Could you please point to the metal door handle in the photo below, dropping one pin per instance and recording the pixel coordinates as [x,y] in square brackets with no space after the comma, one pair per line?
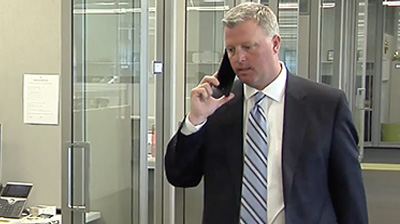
[360,98]
[84,182]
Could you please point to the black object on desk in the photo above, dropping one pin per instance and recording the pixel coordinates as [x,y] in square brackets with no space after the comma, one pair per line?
[13,199]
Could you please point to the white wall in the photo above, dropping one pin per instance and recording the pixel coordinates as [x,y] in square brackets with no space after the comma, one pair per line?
[30,37]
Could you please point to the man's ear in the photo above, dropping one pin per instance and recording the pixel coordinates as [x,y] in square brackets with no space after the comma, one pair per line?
[276,43]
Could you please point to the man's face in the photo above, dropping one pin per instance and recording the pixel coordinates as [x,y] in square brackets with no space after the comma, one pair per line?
[253,55]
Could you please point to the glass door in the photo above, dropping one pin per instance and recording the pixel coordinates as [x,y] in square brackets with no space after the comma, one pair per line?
[382,126]
[109,104]
[389,121]
[329,32]
[342,47]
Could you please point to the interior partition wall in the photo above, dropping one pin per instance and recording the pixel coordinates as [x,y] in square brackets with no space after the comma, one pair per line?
[372,90]
[384,61]
[341,62]
[376,57]
[112,111]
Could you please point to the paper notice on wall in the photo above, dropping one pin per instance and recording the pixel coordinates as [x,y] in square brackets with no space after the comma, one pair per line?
[41,99]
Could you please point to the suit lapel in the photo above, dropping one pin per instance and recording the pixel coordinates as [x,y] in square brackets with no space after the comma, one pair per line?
[294,124]
[235,144]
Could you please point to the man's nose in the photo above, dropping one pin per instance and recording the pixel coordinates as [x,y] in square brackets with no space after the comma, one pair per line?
[241,55]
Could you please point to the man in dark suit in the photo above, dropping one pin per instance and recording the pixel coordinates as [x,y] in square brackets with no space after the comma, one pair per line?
[314,176]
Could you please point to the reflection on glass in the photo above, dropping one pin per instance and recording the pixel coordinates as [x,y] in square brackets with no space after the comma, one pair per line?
[327,42]
[107,58]
[205,43]
[288,22]
[390,82]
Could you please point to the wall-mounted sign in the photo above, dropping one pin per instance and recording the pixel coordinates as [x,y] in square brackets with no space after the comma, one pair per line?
[157,67]
[41,99]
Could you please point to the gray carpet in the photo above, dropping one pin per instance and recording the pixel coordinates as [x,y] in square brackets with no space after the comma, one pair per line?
[383,196]
[382,187]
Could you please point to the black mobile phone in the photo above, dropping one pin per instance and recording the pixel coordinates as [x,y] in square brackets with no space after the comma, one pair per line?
[225,76]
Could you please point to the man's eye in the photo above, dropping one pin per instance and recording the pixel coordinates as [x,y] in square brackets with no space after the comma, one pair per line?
[249,47]
[230,50]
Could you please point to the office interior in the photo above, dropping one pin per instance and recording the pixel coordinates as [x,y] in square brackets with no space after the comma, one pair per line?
[125,71]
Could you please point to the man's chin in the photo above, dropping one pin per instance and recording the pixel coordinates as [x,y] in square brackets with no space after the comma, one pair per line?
[244,75]
[247,79]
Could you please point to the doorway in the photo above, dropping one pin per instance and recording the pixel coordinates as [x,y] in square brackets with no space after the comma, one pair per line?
[110,89]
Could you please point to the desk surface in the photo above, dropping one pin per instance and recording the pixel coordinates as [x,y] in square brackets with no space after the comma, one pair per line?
[90,216]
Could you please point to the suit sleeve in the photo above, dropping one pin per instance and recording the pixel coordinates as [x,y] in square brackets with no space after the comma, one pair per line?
[184,159]
[345,177]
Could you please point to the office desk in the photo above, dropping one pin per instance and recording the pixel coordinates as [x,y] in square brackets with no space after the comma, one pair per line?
[90,216]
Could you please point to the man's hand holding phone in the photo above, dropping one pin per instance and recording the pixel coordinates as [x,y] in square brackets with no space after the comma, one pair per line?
[212,92]
[202,103]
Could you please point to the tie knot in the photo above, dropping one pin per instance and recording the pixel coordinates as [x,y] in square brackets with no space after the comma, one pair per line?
[258,97]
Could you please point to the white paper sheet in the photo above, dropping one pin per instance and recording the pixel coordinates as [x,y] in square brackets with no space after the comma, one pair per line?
[41,99]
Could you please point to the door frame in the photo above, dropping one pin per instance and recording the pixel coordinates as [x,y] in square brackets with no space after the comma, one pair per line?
[66,96]
[163,209]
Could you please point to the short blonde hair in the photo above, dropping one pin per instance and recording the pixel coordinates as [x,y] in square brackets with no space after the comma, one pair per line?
[246,11]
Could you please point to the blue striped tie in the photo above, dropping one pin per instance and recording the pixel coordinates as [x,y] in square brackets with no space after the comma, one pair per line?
[254,187]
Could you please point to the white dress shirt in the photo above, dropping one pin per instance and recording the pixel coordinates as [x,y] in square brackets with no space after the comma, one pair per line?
[274,107]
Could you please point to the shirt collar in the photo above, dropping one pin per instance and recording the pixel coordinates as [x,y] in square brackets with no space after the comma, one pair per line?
[275,90]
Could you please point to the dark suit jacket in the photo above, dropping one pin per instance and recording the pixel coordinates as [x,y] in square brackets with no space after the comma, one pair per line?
[322,182]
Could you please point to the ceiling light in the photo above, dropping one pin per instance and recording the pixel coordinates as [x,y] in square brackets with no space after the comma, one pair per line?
[328,5]
[203,8]
[288,5]
[391,3]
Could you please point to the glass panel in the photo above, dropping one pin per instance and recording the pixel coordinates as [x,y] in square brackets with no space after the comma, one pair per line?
[132,29]
[106,102]
[327,42]
[390,91]
[152,88]
[360,105]
[204,50]
[288,22]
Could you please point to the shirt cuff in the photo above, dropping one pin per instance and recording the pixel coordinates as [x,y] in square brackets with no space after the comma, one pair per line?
[188,128]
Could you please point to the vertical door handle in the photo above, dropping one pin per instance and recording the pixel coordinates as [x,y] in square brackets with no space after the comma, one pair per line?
[360,98]
[82,182]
